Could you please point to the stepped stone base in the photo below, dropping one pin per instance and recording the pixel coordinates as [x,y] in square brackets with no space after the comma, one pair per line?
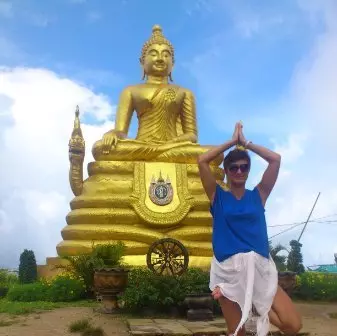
[49,270]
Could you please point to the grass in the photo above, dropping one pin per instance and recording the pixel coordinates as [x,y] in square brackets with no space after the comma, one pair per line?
[21,308]
[333,315]
[85,328]
[79,326]
[93,332]
[6,323]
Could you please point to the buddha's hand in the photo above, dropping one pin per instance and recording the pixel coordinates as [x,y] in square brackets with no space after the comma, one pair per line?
[109,141]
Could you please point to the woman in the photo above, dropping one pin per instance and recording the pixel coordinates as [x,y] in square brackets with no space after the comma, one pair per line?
[242,272]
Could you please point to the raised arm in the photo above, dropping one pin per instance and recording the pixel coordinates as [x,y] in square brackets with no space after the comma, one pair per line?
[207,178]
[270,175]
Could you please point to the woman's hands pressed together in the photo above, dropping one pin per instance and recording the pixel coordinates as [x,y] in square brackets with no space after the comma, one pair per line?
[242,139]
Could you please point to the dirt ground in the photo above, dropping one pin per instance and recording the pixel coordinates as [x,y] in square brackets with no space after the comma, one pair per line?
[316,320]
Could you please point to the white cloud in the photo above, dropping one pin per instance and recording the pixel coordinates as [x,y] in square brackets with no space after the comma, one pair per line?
[36,123]
[292,150]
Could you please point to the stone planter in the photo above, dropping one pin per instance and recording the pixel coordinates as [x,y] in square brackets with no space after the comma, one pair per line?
[287,281]
[109,283]
[200,307]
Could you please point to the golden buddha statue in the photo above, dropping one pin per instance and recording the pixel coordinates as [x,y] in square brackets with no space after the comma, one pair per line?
[143,189]
[167,129]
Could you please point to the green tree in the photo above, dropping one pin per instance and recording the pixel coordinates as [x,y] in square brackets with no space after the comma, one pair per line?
[280,260]
[295,258]
[27,267]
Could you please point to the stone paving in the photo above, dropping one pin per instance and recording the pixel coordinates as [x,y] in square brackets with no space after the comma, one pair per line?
[170,327]
[175,327]
[316,320]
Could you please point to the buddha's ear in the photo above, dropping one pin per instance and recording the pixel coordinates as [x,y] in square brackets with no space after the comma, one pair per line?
[142,66]
[170,74]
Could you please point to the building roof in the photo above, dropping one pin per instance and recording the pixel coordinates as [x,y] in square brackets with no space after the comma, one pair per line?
[324,268]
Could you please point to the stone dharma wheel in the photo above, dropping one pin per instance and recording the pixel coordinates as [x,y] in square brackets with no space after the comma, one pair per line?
[167,256]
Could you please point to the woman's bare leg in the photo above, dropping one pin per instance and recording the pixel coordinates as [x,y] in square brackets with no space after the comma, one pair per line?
[284,315]
[274,319]
[231,312]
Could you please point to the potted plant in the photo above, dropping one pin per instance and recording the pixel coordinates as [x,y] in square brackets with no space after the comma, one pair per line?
[287,281]
[110,278]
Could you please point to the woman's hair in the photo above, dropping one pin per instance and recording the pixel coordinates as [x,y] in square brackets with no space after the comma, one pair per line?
[236,155]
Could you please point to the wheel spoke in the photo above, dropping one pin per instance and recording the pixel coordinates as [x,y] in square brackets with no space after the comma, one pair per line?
[162,268]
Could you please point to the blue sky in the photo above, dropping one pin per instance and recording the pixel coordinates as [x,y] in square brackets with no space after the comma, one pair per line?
[268,63]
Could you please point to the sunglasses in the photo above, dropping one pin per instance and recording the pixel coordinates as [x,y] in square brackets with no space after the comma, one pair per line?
[234,168]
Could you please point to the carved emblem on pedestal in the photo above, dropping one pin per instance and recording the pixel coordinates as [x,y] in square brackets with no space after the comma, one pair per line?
[161,191]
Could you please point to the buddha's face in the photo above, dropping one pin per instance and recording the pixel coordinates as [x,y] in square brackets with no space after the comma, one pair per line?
[158,60]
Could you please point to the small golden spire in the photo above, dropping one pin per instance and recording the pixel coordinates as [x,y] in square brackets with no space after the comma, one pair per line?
[157,37]
[76,142]
[77,124]
[160,179]
[77,111]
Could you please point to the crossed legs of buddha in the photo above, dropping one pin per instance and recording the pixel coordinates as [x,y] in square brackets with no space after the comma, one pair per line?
[183,152]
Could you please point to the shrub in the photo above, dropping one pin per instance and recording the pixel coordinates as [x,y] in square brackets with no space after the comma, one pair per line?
[162,292]
[65,289]
[7,278]
[295,258]
[27,267]
[316,286]
[28,292]
[61,289]
[3,291]
[81,267]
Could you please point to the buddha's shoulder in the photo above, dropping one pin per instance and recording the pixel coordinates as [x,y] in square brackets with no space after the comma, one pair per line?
[143,86]
[180,88]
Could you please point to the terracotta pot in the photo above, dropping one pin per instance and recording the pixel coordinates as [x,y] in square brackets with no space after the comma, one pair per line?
[287,281]
[109,283]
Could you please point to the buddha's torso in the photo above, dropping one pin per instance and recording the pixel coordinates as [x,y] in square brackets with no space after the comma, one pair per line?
[158,108]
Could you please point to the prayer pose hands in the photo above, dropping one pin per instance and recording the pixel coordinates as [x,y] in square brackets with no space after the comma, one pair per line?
[238,138]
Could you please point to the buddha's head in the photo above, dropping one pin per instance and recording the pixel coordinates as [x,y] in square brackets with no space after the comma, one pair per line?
[157,57]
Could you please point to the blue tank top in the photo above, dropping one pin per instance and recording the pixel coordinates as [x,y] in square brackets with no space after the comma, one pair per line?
[238,225]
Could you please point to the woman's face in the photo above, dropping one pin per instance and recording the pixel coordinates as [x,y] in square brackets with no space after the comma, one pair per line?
[238,171]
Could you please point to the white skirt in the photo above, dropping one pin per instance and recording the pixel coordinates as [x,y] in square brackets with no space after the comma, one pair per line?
[247,279]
